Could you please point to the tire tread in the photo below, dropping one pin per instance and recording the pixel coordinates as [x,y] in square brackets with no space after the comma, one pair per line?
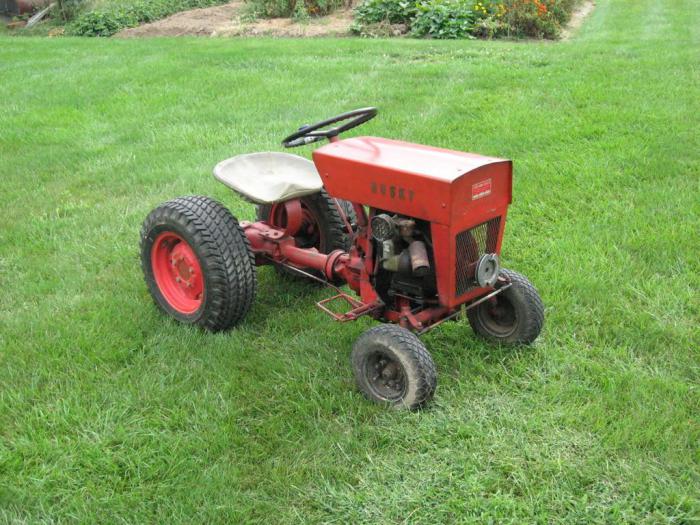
[534,321]
[224,251]
[412,347]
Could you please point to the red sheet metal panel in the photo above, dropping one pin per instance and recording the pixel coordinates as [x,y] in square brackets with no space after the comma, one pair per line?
[434,184]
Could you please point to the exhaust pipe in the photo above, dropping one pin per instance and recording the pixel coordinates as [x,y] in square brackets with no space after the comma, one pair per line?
[420,264]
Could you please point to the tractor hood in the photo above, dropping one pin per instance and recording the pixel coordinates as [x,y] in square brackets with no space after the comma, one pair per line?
[434,184]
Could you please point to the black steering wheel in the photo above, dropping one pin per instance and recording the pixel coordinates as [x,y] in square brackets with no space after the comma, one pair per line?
[314,132]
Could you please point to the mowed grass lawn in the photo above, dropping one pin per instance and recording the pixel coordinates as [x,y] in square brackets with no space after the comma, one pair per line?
[111,413]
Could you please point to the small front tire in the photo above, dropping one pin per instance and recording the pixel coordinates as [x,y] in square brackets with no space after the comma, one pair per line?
[392,366]
[515,316]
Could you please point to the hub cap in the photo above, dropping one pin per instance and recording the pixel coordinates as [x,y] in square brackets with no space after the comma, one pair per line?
[498,316]
[385,376]
[177,272]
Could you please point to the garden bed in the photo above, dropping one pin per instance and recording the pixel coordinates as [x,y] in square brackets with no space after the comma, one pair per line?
[435,19]
[451,19]
[231,20]
[228,20]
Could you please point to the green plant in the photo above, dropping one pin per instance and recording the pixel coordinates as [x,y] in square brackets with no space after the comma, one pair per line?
[444,19]
[67,10]
[323,7]
[537,18]
[298,9]
[490,27]
[464,18]
[100,23]
[387,11]
[379,30]
[271,8]
[300,13]
[115,17]
[561,9]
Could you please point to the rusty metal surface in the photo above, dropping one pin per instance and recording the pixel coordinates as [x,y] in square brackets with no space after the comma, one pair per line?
[420,264]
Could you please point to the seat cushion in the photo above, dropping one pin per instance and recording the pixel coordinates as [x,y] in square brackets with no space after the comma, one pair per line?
[269,177]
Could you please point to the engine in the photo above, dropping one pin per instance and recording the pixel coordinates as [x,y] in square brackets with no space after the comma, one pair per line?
[406,263]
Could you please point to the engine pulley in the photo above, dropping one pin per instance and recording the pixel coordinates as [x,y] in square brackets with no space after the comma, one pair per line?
[487,269]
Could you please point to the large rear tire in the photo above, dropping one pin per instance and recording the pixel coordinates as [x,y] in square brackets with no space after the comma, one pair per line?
[197,263]
[515,316]
[392,366]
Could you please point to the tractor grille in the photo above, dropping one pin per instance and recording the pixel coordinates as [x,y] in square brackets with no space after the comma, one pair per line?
[471,245]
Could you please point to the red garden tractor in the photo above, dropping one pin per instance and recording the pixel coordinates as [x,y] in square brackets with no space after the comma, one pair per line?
[414,231]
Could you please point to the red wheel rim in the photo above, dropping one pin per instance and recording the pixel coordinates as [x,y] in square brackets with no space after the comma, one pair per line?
[177,272]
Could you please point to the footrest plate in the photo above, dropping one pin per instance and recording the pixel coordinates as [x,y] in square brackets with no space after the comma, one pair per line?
[358,308]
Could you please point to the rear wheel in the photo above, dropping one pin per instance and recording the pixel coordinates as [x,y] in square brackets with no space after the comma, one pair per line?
[392,366]
[515,316]
[323,227]
[197,262]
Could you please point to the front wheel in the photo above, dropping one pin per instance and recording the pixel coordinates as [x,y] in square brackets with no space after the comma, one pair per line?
[515,316]
[197,263]
[392,366]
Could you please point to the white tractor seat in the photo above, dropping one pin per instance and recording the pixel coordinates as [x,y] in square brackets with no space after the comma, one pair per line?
[269,177]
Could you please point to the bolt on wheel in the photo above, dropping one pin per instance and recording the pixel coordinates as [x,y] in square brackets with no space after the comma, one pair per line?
[387,379]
